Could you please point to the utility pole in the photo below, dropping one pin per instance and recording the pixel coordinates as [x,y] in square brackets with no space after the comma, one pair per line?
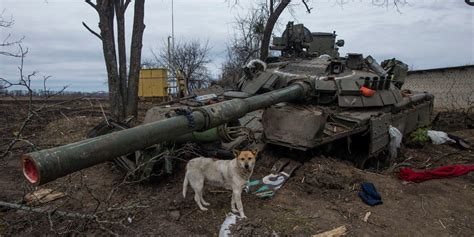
[171,82]
[172,50]
[172,22]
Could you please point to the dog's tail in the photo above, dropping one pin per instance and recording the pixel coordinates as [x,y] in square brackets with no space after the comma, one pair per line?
[185,185]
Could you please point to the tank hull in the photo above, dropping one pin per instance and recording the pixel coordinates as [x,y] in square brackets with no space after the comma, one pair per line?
[307,127]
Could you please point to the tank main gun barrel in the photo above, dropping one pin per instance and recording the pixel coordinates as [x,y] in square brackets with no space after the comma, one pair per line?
[47,165]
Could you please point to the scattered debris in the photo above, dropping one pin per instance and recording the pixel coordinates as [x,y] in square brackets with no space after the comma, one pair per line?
[48,211]
[463,144]
[366,217]
[206,98]
[408,174]
[438,137]
[41,196]
[439,220]
[339,231]
[395,141]
[268,185]
[230,220]
[422,135]
[370,195]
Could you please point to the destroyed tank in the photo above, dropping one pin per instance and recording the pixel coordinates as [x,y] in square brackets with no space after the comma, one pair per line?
[311,98]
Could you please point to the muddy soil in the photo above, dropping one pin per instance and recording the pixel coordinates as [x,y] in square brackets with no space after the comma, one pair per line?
[321,194]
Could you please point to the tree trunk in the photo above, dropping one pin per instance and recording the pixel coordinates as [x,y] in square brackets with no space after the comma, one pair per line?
[267,33]
[106,25]
[122,54]
[272,2]
[135,57]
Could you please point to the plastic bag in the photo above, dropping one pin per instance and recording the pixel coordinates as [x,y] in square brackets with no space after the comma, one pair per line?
[395,140]
[228,222]
[438,137]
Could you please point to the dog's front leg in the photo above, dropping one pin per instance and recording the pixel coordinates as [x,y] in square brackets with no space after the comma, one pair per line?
[237,198]
[233,206]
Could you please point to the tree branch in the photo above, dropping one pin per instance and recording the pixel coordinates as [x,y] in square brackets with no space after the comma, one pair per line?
[126,5]
[308,9]
[48,212]
[92,5]
[269,28]
[92,31]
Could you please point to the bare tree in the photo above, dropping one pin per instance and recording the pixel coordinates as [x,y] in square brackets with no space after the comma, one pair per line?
[190,59]
[7,42]
[123,88]
[23,86]
[244,44]
[24,83]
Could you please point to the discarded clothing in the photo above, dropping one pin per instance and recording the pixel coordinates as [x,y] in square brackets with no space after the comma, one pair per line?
[461,143]
[370,195]
[438,137]
[395,141]
[268,185]
[408,174]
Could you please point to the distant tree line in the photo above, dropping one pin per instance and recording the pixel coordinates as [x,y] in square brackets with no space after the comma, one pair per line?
[48,93]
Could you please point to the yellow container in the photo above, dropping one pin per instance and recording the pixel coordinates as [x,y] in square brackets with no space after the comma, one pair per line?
[153,83]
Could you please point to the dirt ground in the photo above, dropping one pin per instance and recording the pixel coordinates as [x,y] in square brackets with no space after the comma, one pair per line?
[321,195]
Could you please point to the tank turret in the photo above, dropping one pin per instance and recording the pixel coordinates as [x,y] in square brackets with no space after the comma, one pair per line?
[298,41]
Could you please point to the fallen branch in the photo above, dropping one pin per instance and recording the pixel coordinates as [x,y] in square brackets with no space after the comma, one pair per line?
[31,114]
[339,231]
[48,212]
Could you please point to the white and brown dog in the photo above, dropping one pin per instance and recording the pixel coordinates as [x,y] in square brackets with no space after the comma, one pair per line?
[229,174]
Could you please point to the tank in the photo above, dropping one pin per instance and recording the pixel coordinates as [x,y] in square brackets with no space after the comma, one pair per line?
[311,98]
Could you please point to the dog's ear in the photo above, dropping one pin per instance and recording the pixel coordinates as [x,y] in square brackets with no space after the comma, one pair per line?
[236,152]
[254,152]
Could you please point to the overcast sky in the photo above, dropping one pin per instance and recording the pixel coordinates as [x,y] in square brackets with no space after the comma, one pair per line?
[423,33]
